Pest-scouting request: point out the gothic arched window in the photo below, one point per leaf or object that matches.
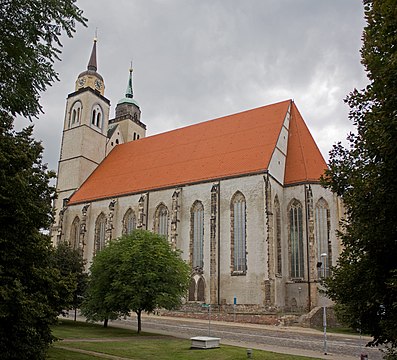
(100, 232)
(129, 222)
(97, 116)
(75, 233)
(296, 240)
(322, 224)
(75, 114)
(238, 234)
(277, 237)
(197, 235)
(161, 220)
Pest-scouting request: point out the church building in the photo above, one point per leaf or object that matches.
(239, 195)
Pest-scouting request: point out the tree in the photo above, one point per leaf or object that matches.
(31, 289)
(29, 44)
(71, 265)
(139, 272)
(363, 284)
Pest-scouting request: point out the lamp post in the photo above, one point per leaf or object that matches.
(323, 257)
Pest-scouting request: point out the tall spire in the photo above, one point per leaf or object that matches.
(129, 93)
(92, 64)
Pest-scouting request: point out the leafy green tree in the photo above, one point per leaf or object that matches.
(140, 273)
(29, 44)
(364, 282)
(31, 289)
(71, 264)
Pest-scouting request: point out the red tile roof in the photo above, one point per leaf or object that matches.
(304, 159)
(230, 146)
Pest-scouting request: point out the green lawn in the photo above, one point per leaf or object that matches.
(127, 344)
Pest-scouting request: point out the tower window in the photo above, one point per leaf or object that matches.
(75, 114)
(97, 116)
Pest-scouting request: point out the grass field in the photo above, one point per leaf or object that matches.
(94, 340)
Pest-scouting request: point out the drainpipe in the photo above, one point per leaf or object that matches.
(147, 211)
(309, 294)
(219, 243)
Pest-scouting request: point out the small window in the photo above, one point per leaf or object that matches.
(75, 114)
(97, 116)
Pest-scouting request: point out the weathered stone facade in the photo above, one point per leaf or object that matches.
(254, 238)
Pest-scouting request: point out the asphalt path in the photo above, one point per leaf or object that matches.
(288, 340)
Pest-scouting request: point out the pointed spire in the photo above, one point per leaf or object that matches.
(129, 93)
(92, 65)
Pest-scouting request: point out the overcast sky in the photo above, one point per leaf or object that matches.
(199, 60)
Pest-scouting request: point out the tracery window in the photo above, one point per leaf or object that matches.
(238, 234)
(322, 224)
(97, 116)
(100, 232)
(197, 235)
(161, 220)
(277, 236)
(296, 240)
(75, 114)
(75, 233)
(129, 222)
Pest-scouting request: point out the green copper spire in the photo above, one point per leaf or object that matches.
(129, 93)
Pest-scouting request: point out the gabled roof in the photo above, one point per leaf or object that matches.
(304, 160)
(230, 146)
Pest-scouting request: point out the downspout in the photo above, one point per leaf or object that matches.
(309, 294)
(147, 211)
(219, 243)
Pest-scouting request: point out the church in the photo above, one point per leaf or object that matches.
(239, 195)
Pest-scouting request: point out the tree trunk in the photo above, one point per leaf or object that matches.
(105, 323)
(139, 312)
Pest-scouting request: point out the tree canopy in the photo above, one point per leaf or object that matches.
(364, 283)
(32, 292)
(29, 44)
(138, 272)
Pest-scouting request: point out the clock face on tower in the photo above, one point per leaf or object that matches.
(82, 81)
(98, 84)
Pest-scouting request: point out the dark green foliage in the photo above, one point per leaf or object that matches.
(29, 44)
(364, 282)
(138, 272)
(31, 293)
(70, 264)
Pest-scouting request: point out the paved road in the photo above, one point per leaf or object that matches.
(289, 340)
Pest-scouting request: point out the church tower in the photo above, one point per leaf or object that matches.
(128, 116)
(84, 135)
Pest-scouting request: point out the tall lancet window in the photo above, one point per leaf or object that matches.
(238, 234)
(197, 235)
(97, 116)
(161, 220)
(322, 224)
(277, 237)
(100, 232)
(129, 222)
(296, 240)
(75, 233)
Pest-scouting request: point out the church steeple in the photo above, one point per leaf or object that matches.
(129, 93)
(91, 78)
(92, 64)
